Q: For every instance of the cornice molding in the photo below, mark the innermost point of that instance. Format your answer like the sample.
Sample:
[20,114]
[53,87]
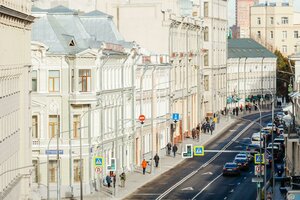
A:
[16,14]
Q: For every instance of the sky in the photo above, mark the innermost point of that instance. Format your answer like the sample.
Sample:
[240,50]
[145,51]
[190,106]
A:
[231,9]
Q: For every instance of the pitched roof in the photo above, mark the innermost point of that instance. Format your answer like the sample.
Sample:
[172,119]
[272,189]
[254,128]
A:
[66,32]
[96,13]
[247,48]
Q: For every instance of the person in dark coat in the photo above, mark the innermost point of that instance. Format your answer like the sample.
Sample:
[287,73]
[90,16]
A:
[174,150]
[169,147]
[156,159]
[108,180]
[207,127]
[194,133]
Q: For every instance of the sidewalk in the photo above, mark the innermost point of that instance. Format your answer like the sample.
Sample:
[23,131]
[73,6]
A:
[136,179]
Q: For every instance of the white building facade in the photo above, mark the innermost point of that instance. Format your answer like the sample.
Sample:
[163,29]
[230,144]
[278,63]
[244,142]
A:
[83,92]
[251,72]
[15,66]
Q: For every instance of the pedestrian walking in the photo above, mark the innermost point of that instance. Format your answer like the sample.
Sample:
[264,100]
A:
[233,111]
[194,133]
[108,180]
[144,165]
[175,150]
[198,134]
[156,159]
[123,179]
[169,146]
[207,127]
[114,180]
[203,127]
[237,111]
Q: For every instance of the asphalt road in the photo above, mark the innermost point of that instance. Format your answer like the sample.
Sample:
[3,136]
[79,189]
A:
[207,182]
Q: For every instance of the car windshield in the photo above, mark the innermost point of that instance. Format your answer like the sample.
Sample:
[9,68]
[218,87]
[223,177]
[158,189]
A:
[230,165]
[240,160]
[256,139]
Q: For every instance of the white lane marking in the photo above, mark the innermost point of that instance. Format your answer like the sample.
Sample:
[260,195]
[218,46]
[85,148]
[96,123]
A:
[231,191]
[208,162]
[206,186]
[188,188]
[245,177]
[209,173]
[148,194]
[225,198]
[239,183]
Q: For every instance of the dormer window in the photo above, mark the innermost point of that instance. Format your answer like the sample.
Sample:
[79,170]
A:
[72,43]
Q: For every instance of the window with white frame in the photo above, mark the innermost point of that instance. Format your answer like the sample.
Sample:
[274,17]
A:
[284,48]
[296,34]
[34,80]
[258,34]
[284,20]
[85,80]
[35,171]
[53,81]
[271,20]
[258,20]
[54,126]
[205,9]
[76,124]
[206,63]
[35,134]
[76,170]
[271,34]
[206,35]
[284,34]
[52,171]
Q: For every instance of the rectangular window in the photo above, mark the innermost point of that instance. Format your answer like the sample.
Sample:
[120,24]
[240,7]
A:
[35,134]
[284,34]
[206,82]
[54,78]
[271,34]
[85,80]
[76,124]
[284,20]
[258,34]
[206,35]
[34,80]
[284,48]
[271,20]
[295,49]
[54,125]
[35,171]
[205,9]
[258,21]
[296,34]
[52,171]
[76,170]
[206,59]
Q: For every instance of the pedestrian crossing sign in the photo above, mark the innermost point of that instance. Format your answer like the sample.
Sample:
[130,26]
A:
[259,159]
[98,161]
[198,150]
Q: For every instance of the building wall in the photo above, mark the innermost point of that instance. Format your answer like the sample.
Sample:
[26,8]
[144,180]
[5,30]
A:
[243,16]
[251,76]
[111,121]
[15,66]
[275,34]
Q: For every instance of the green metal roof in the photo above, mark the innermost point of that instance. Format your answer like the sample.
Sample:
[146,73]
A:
[247,48]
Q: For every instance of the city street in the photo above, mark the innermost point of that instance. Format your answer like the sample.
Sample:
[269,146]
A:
[208,182]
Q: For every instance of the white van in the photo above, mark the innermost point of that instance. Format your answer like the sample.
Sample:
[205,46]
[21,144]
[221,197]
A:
[255,139]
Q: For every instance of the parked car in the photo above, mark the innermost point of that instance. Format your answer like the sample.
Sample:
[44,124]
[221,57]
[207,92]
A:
[231,169]
[280,115]
[242,163]
[278,145]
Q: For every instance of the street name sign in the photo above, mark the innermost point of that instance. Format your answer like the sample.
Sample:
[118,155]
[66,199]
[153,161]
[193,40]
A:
[98,161]
[198,150]
[257,180]
[259,159]
[53,152]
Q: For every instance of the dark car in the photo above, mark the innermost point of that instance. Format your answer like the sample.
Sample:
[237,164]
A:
[242,163]
[253,149]
[231,169]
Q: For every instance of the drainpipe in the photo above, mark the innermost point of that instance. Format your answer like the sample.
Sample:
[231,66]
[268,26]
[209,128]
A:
[187,78]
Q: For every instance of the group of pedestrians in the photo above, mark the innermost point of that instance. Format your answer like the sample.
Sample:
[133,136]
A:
[111,179]
[174,149]
[208,125]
